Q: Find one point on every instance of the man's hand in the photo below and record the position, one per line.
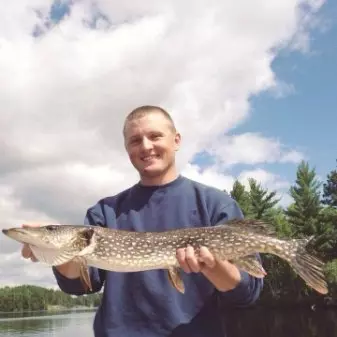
(222, 274)
(26, 252)
(191, 264)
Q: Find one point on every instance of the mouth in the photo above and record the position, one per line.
(147, 159)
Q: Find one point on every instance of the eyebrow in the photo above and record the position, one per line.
(157, 133)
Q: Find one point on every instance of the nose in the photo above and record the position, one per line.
(146, 144)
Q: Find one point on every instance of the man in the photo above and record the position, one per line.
(145, 303)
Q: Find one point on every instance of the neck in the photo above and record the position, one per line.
(163, 179)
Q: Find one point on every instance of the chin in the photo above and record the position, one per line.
(152, 172)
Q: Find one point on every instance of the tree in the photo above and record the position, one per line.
(278, 219)
(303, 213)
(241, 196)
(326, 233)
(27, 297)
(260, 199)
(330, 190)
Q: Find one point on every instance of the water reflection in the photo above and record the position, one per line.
(66, 324)
(261, 322)
(287, 322)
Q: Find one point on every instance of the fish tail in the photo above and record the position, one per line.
(307, 266)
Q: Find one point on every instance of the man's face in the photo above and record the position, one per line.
(151, 144)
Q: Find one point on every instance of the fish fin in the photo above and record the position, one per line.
(307, 266)
(251, 265)
(249, 225)
(84, 274)
(175, 279)
(52, 257)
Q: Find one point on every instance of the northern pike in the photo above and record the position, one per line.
(129, 251)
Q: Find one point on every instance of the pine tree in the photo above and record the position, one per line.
(330, 190)
(261, 200)
(278, 219)
(328, 216)
(326, 232)
(241, 196)
(304, 212)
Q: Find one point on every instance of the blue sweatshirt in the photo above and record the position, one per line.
(144, 304)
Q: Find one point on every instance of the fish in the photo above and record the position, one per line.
(238, 241)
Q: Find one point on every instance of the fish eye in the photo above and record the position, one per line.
(51, 227)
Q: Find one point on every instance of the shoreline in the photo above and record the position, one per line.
(51, 309)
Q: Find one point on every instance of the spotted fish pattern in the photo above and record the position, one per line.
(128, 251)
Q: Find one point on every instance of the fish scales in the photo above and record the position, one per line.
(128, 251)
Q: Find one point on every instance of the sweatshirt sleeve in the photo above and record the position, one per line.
(248, 290)
(97, 276)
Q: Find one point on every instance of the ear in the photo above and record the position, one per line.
(177, 141)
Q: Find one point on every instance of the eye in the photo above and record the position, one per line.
(156, 136)
(51, 227)
(133, 142)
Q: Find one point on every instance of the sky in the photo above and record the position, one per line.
(250, 85)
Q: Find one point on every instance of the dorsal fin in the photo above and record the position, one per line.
(250, 225)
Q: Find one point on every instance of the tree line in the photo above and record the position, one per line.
(31, 298)
(312, 212)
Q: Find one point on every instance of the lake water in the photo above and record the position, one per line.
(62, 324)
(249, 323)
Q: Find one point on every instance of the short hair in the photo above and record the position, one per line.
(145, 110)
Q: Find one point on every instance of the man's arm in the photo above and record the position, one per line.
(68, 274)
(236, 286)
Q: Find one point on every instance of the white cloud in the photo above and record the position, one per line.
(213, 176)
(252, 148)
(267, 179)
(64, 95)
(209, 176)
(270, 181)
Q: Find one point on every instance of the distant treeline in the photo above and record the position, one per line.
(30, 298)
(313, 212)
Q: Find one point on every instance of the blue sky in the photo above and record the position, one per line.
(307, 118)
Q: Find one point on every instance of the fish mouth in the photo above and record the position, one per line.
(12, 231)
(16, 231)
(24, 235)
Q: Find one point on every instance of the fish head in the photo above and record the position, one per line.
(52, 236)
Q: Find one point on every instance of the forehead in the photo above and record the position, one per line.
(148, 123)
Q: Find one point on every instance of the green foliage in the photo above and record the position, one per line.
(257, 202)
(28, 297)
(276, 217)
(241, 196)
(331, 271)
(261, 201)
(308, 215)
(330, 190)
(326, 232)
(303, 213)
